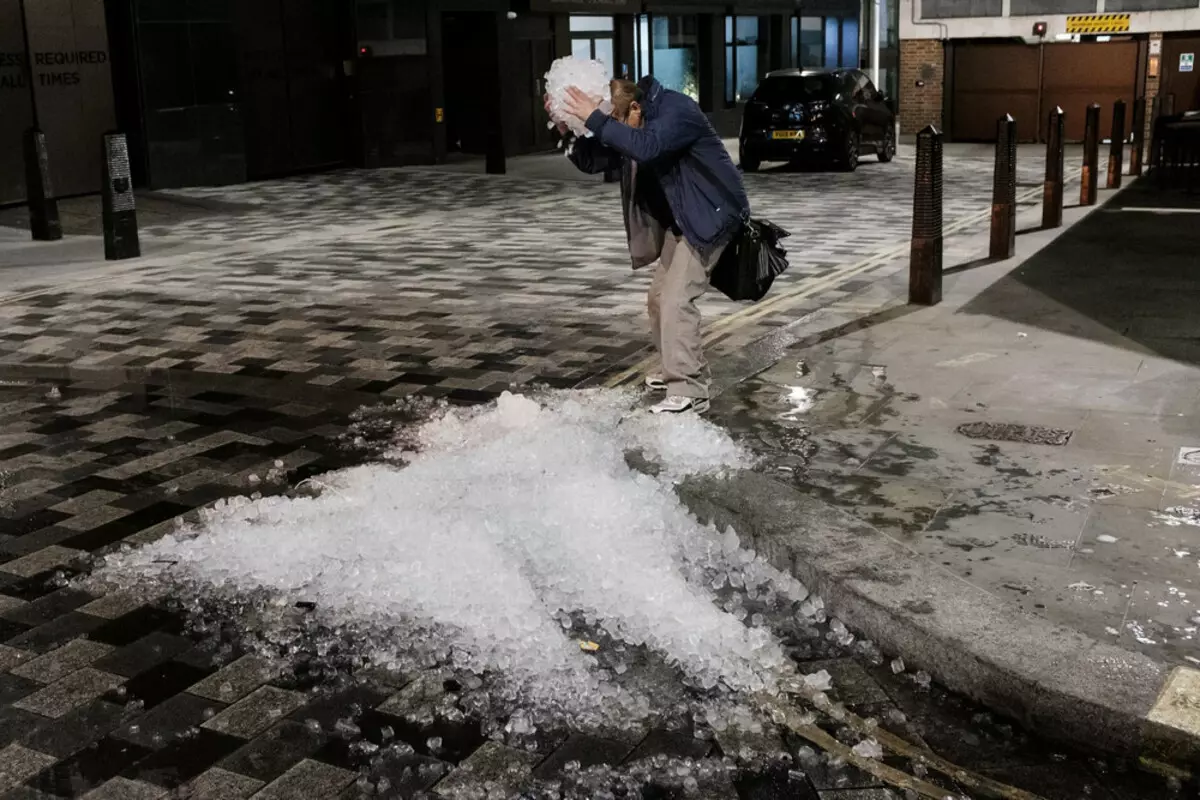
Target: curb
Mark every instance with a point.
(1052, 679)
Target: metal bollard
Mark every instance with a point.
(1116, 150)
(1155, 144)
(1088, 184)
(1004, 190)
(120, 217)
(925, 261)
(44, 222)
(1139, 137)
(1168, 105)
(1052, 193)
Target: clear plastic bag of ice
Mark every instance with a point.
(591, 77)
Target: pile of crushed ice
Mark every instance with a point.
(489, 545)
(591, 77)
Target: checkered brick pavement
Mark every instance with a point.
(163, 385)
(410, 281)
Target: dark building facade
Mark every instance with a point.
(225, 91)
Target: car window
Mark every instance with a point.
(795, 89)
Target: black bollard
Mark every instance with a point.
(1139, 137)
(1088, 183)
(120, 217)
(925, 261)
(1116, 150)
(1052, 193)
(1155, 144)
(44, 223)
(1004, 191)
(1168, 105)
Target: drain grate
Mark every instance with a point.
(1010, 432)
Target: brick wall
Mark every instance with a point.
(921, 61)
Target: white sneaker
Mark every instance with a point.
(656, 383)
(678, 405)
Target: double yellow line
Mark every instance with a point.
(803, 291)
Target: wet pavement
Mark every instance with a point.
(1036, 440)
(130, 402)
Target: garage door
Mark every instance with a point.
(1184, 85)
(991, 80)
(1076, 75)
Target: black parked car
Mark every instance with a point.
(831, 114)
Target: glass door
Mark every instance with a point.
(592, 37)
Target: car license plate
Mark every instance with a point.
(787, 134)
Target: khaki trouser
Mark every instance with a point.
(680, 279)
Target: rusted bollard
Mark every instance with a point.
(1139, 136)
(925, 261)
(119, 214)
(44, 222)
(1088, 184)
(1155, 113)
(1004, 191)
(1116, 150)
(1052, 192)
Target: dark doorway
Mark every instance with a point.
(471, 62)
(295, 97)
(532, 54)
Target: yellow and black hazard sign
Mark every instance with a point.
(1098, 23)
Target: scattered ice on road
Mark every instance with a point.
(508, 522)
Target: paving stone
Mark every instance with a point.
(182, 759)
(18, 763)
(55, 633)
(88, 769)
(16, 724)
(852, 684)
(588, 751)
(256, 712)
(666, 743)
(236, 680)
(14, 688)
(67, 735)
(494, 763)
(59, 663)
(277, 750)
(146, 653)
(34, 563)
(70, 692)
(113, 605)
(11, 657)
(220, 784)
(168, 720)
(306, 780)
(125, 789)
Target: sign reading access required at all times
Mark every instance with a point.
(1187, 61)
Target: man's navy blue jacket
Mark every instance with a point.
(677, 141)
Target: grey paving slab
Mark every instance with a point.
(220, 784)
(256, 712)
(62, 661)
(69, 692)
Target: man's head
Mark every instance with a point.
(627, 103)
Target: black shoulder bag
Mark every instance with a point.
(753, 259)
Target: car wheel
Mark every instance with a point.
(850, 153)
(887, 151)
(749, 164)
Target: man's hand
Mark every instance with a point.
(579, 104)
(562, 126)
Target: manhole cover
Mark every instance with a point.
(1009, 432)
